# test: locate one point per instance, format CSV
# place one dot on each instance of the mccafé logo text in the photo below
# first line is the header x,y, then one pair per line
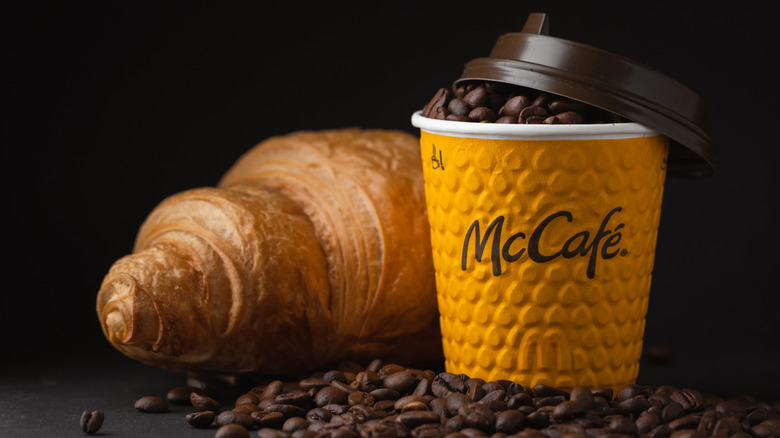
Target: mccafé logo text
x,y
581,244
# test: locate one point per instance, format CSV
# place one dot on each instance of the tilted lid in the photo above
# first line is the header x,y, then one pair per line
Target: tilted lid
x,y
535,60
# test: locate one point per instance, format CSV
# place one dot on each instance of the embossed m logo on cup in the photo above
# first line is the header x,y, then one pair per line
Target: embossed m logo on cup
x,y
602,244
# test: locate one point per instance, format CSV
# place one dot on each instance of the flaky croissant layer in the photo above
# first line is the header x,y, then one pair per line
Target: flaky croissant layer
x,y
314,248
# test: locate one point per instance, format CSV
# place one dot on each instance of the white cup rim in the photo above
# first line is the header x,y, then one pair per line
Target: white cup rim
x,y
501,131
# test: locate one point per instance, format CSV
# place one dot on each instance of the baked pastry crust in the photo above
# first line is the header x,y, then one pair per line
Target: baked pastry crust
x,y
313,248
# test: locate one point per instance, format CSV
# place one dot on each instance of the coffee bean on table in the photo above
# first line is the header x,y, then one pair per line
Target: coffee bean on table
x,y
235,417
567,409
445,383
204,402
90,422
180,395
201,419
330,395
267,419
151,404
232,431
294,423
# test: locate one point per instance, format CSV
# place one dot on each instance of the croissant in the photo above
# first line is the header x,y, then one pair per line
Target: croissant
x,y
312,249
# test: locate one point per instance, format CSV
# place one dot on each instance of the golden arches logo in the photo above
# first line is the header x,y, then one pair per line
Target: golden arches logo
x,y
544,350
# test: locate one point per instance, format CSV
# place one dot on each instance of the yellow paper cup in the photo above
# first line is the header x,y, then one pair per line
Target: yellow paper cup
x,y
543,242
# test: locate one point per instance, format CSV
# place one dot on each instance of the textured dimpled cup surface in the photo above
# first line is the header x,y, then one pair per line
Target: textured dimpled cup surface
x,y
543,242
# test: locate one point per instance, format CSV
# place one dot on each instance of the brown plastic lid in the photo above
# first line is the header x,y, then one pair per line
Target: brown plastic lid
x,y
533,59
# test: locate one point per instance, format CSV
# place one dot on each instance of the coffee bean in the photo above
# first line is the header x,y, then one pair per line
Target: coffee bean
x,y
294,423
537,420
415,406
583,395
403,401
568,118
634,405
303,433
731,408
765,429
514,105
232,431
454,400
690,399
542,99
360,397
337,375
379,430
477,97
623,424
336,409
477,416
459,107
456,118
287,410
685,422
151,404
385,394
201,419
91,422
561,105
180,395
297,398
440,100
445,383
671,412
726,426
605,393
318,414
532,115
506,120
330,395
548,401
757,416
688,433
233,417
494,405
402,381
567,409
267,419
509,421
496,394
439,406
482,114
272,389
364,413
204,402
412,419
708,420
647,422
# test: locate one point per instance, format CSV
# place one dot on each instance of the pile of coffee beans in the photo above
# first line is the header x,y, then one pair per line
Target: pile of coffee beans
x,y
388,400
497,102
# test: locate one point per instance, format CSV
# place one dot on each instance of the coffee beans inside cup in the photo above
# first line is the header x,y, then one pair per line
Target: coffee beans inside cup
x,y
496,102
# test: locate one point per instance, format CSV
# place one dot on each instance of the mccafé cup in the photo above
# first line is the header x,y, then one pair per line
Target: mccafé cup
x,y
544,236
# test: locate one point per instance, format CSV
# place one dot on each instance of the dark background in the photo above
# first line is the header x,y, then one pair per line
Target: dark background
x,y
112,106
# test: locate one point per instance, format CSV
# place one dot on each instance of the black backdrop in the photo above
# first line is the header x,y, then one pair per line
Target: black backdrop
x,y
111,106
